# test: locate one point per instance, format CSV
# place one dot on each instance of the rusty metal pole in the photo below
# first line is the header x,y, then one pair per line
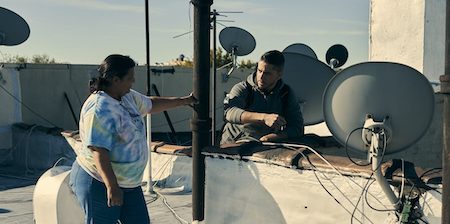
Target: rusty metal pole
x,y
201,122
445,91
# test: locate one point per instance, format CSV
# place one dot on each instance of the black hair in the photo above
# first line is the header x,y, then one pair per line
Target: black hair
x,y
274,58
113,65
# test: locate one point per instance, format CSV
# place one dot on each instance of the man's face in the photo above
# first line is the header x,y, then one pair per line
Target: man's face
x,y
267,76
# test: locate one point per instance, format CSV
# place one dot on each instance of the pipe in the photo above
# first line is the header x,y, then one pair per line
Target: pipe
x,y
149,189
201,122
445,91
213,140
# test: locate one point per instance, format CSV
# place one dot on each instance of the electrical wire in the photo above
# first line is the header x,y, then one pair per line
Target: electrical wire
x,y
346,147
359,199
26,106
181,220
318,155
329,193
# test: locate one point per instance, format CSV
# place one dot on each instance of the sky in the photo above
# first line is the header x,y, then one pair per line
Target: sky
x,y
86,31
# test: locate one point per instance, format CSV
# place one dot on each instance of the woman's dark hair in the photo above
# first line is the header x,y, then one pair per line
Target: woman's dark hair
x,y
273,57
113,65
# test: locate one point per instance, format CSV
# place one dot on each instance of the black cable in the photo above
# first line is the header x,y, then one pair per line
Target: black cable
x,y
346,147
321,184
370,206
31,110
429,171
359,199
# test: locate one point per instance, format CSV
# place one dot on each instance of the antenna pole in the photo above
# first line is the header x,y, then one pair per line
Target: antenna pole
x,y
213,133
445,91
149,189
200,123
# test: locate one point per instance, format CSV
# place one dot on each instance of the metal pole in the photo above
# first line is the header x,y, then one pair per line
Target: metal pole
x,y
149,189
445,91
201,122
214,17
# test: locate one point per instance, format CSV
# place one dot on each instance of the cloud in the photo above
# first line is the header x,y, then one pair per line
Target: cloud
x,y
101,5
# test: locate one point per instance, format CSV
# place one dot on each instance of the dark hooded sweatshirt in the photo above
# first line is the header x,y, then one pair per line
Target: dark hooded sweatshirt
x,y
235,104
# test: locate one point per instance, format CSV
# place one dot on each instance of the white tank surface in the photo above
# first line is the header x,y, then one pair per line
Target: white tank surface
x,y
54,201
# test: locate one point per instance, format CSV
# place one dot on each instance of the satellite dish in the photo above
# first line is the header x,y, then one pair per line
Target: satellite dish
x,y
395,93
14,29
308,78
301,49
379,108
336,56
237,41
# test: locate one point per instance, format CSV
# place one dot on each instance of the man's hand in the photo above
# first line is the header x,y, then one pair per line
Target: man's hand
x,y
273,137
274,121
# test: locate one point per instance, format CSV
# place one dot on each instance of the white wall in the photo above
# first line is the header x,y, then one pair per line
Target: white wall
x,y
410,32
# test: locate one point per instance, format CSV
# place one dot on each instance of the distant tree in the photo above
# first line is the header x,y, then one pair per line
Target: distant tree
x,y
222,58
247,64
42,59
37,59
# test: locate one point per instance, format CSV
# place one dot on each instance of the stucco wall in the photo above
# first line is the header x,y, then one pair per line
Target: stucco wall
x,y
396,32
410,32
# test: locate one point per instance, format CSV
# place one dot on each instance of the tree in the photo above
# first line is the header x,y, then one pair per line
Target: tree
x,y
37,59
247,64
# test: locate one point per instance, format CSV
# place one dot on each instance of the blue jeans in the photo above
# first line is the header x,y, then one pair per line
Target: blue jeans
x,y
91,195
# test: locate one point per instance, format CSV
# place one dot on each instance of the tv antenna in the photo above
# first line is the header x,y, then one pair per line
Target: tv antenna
x,y
14,30
379,108
214,14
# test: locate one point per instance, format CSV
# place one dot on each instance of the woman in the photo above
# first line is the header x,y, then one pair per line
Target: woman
x,y
106,176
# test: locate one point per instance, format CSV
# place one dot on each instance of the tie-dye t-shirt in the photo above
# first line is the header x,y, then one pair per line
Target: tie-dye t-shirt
x,y
118,127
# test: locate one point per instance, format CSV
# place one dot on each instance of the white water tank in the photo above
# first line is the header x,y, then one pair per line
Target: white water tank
x,y
54,201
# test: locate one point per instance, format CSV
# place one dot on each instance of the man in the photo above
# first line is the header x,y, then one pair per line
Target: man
x,y
262,108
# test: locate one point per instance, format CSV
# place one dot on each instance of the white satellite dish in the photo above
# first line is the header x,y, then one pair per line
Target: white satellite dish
x,y
391,103
308,77
14,29
301,49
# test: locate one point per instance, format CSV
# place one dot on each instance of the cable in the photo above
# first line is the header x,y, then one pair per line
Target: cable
x,y
372,207
31,110
287,145
359,199
181,220
329,193
346,147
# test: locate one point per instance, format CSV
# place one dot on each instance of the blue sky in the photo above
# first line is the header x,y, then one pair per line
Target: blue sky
x,y
86,31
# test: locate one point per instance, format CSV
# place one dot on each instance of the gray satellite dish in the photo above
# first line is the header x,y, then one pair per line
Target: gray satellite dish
x,y
379,108
382,90
237,41
308,78
14,29
301,49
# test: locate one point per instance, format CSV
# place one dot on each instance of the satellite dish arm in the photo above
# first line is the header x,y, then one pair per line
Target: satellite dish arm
x,y
376,156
